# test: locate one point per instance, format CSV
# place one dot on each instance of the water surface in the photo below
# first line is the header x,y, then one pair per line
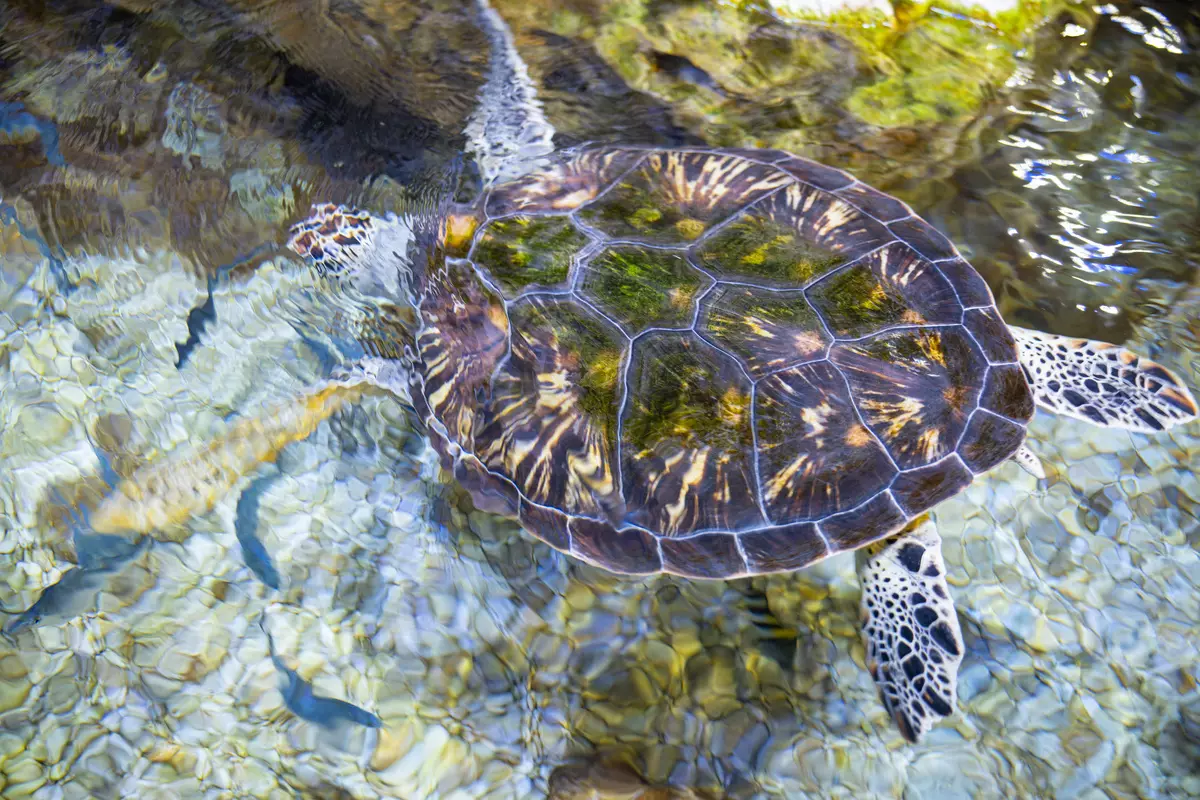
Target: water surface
x,y
152,157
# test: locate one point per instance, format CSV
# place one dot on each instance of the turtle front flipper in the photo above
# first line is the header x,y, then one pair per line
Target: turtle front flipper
x,y
914,644
1102,383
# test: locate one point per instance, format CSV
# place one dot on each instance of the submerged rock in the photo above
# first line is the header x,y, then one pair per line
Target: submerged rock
x,y
608,780
889,91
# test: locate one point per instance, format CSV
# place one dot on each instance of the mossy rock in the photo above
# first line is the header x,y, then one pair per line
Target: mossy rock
x,y
884,94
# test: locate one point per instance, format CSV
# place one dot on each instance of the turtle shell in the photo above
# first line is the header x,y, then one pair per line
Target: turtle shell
x,y
712,362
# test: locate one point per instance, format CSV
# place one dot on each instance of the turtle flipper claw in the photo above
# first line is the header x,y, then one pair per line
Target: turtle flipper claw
x,y
1029,462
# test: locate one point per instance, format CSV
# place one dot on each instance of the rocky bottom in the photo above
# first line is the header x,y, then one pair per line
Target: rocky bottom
x,y
344,625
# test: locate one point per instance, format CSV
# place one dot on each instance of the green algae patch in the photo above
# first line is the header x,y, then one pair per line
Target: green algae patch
x,y
588,347
855,302
933,63
681,391
523,251
755,247
643,288
970,61
876,92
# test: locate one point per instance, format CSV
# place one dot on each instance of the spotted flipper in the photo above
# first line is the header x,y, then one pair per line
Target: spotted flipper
x,y
914,645
1102,383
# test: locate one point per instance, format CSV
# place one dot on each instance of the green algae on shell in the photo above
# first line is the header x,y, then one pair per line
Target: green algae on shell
x,y
641,287
856,302
756,247
589,348
684,392
524,251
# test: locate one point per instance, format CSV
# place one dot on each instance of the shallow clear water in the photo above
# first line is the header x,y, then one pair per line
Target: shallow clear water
x,y
152,157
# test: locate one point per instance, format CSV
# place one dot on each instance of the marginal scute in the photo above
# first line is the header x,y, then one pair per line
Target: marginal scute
x,y
756,154
889,288
921,489
1006,392
915,389
923,237
706,555
870,522
490,493
629,551
783,548
765,330
815,457
465,335
641,287
992,334
989,440
548,524
522,252
674,196
972,289
549,422
875,203
687,447
815,174
575,178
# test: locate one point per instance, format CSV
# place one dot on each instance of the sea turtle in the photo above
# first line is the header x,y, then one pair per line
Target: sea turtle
x,y
717,363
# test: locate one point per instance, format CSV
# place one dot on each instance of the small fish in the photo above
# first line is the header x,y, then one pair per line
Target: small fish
x,y
191,479
102,551
684,70
300,699
76,592
245,525
776,640
98,557
73,595
327,712
198,319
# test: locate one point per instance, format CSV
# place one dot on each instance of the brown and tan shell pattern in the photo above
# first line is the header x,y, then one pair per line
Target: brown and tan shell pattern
x,y
712,362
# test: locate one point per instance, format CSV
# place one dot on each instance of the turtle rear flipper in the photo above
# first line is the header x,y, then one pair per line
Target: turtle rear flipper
x,y
914,644
1102,383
